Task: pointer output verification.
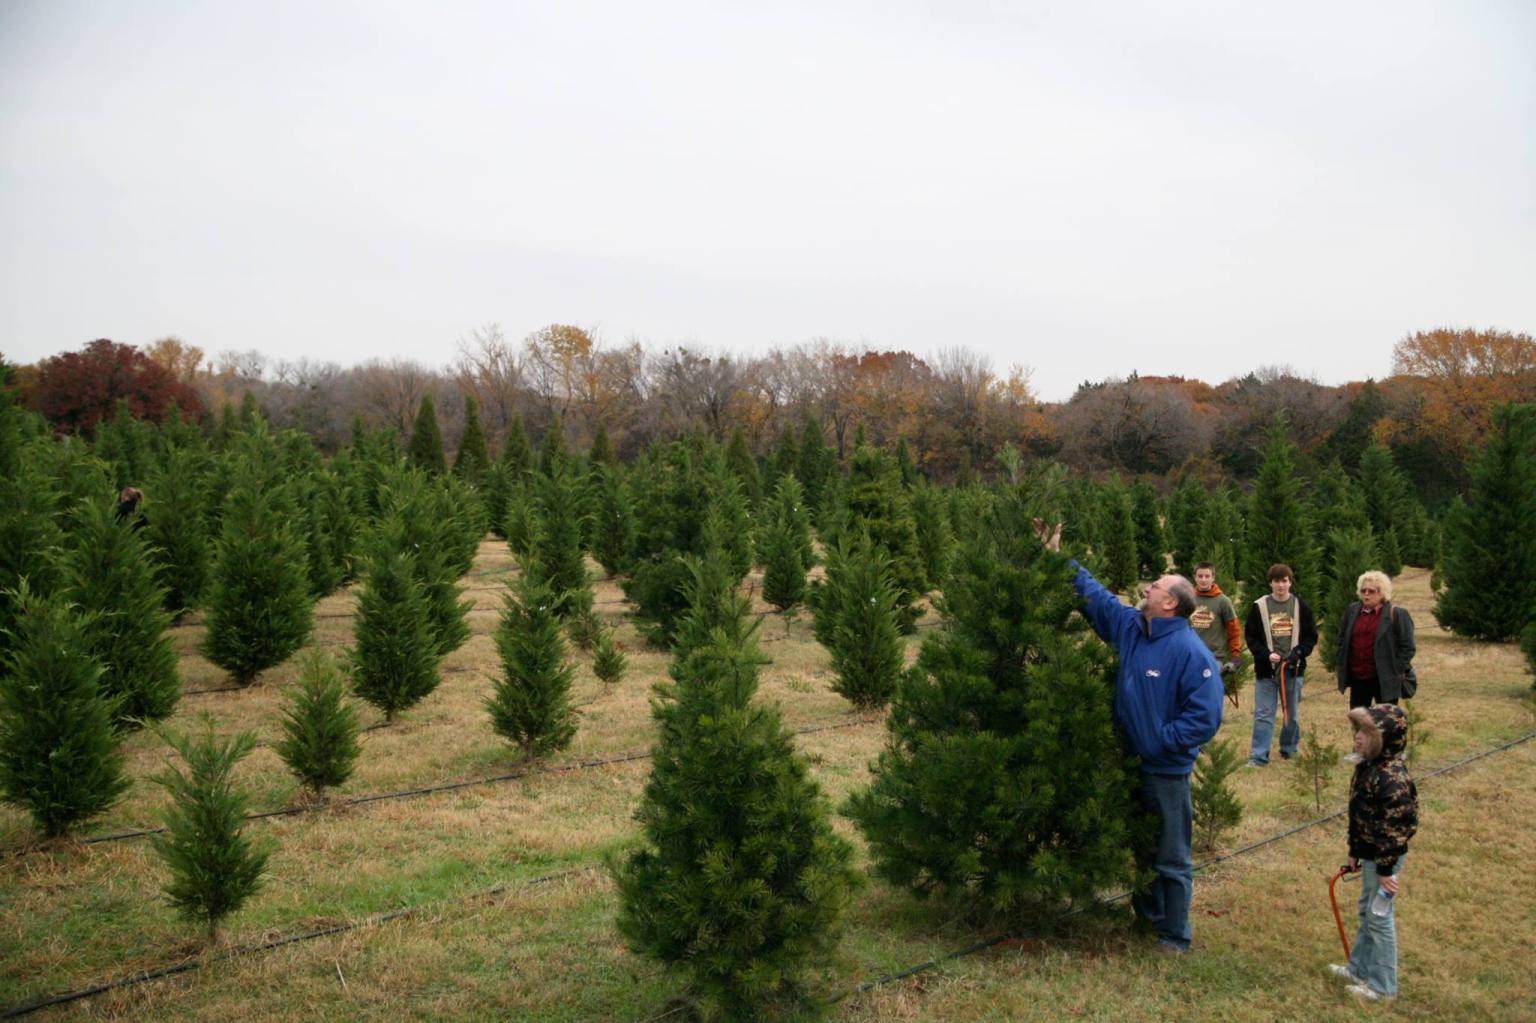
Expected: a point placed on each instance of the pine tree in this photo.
(259, 605)
(1390, 553)
(320, 728)
(783, 571)
(1002, 779)
(531, 701)
(671, 497)
(1337, 504)
(1120, 561)
(1186, 512)
(814, 462)
(1489, 559)
(1279, 529)
(739, 460)
(713, 607)
(608, 661)
(471, 461)
(59, 755)
(731, 523)
(786, 456)
(556, 537)
(857, 621)
(495, 492)
(1384, 490)
(108, 576)
(613, 533)
(519, 524)
(601, 452)
(904, 467)
(740, 879)
(423, 517)
(552, 450)
(177, 534)
(214, 867)
(426, 450)
(516, 453)
(30, 539)
(879, 506)
(395, 656)
(935, 537)
(1315, 762)
(1217, 808)
(1151, 547)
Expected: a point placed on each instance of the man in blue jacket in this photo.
(1167, 703)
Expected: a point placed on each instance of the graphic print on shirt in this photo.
(1203, 618)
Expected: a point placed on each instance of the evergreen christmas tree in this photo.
(1151, 547)
(495, 492)
(786, 457)
(395, 656)
(740, 879)
(59, 756)
(671, 498)
(1336, 505)
(214, 867)
(108, 576)
(179, 545)
(1003, 780)
(1391, 554)
(516, 453)
(30, 539)
(783, 571)
(739, 460)
(531, 702)
(857, 621)
(426, 450)
(552, 450)
(935, 537)
(731, 521)
(1120, 561)
(1488, 562)
(1217, 808)
(520, 522)
(259, 605)
(904, 467)
(814, 462)
(613, 532)
(420, 519)
(1186, 512)
(471, 461)
(601, 452)
(1279, 529)
(608, 661)
(1384, 490)
(556, 537)
(879, 507)
(1314, 767)
(713, 606)
(1354, 551)
(320, 728)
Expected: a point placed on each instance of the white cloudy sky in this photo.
(1087, 188)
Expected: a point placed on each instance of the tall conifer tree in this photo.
(426, 450)
(531, 701)
(471, 461)
(1489, 559)
(1279, 529)
(395, 657)
(109, 577)
(1002, 779)
(60, 759)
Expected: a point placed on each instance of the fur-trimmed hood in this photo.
(1385, 728)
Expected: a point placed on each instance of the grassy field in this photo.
(513, 909)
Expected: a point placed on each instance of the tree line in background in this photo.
(952, 412)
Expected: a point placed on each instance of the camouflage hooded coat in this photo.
(1383, 801)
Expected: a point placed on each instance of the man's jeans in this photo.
(1374, 959)
(1164, 903)
(1266, 698)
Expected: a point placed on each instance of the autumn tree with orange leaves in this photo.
(1461, 376)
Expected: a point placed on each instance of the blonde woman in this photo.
(1376, 646)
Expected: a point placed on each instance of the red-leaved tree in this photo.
(77, 390)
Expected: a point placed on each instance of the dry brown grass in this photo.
(75, 915)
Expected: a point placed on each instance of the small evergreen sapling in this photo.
(59, 755)
(608, 661)
(531, 702)
(1314, 767)
(214, 868)
(783, 571)
(1217, 808)
(320, 728)
(426, 450)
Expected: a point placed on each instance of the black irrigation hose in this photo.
(580, 765)
(133, 980)
(178, 968)
(997, 939)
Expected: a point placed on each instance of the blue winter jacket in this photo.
(1168, 691)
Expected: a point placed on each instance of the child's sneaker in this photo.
(1341, 971)
(1365, 992)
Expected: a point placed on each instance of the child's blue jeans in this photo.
(1374, 958)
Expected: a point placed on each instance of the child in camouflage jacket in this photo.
(1383, 816)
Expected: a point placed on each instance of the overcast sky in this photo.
(1085, 188)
